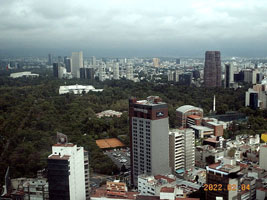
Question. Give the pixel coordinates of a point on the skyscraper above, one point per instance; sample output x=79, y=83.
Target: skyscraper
x=102, y=71
x=129, y=72
x=55, y=69
x=155, y=62
x=229, y=75
x=67, y=62
x=116, y=71
x=77, y=63
x=90, y=73
x=212, y=69
x=149, y=132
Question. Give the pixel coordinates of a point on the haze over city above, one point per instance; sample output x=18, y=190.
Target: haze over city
x=133, y=27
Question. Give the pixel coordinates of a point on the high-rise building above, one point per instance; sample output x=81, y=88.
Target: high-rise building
x=212, y=69
x=156, y=62
x=55, y=70
x=67, y=62
x=170, y=75
x=59, y=70
x=182, y=150
x=229, y=75
x=66, y=176
x=149, y=132
x=178, y=61
x=82, y=73
x=93, y=61
x=129, y=72
x=185, y=78
x=102, y=71
x=116, y=71
x=87, y=174
x=225, y=176
x=76, y=63
x=90, y=73
x=263, y=157
x=50, y=59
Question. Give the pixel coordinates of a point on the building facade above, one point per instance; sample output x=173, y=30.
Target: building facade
x=224, y=173
x=182, y=149
x=76, y=63
x=212, y=69
x=263, y=157
x=149, y=130
x=229, y=75
x=66, y=174
x=183, y=112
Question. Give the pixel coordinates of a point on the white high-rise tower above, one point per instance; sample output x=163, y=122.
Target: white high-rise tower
x=66, y=174
x=76, y=63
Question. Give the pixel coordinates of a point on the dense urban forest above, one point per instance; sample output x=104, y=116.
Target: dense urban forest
x=32, y=111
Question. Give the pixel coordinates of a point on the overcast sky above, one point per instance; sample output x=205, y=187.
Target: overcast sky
x=134, y=27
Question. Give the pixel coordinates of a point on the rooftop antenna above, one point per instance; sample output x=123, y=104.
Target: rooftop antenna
x=214, y=102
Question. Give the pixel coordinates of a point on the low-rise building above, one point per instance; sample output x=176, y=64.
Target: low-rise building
x=207, y=154
x=115, y=190
x=109, y=113
x=78, y=89
x=23, y=74
x=151, y=185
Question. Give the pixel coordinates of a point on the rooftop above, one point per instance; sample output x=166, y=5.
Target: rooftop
x=64, y=145
x=58, y=157
x=202, y=128
x=167, y=189
x=212, y=139
x=102, y=192
x=186, y=108
x=109, y=143
x=194, y=116
x=151, y=100
x=170, y=180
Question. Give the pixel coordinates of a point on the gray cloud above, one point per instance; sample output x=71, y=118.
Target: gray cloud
x=143, y=26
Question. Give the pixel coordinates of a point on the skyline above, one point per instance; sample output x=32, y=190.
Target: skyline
x=133, y=28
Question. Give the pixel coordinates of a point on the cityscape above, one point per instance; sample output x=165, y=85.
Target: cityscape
x=133, y=100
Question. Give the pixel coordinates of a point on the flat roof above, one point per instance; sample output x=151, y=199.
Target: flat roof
x=202, y=128
x=58, y=157
x=64, y=145
x=170, y=180
x=194, y=116
x=167, y=189
x=212, y=140
x=109, y=143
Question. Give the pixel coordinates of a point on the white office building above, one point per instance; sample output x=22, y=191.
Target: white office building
x=182, y=149
x=66, y=175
